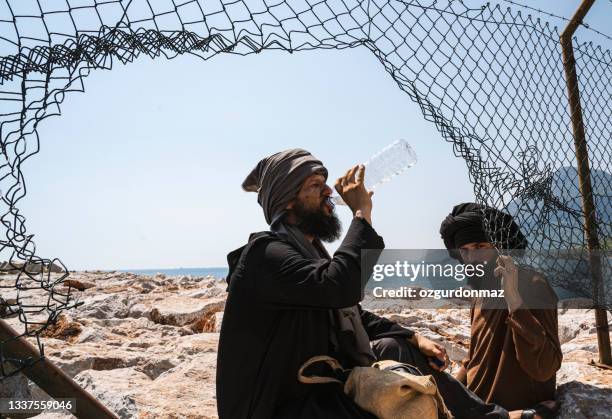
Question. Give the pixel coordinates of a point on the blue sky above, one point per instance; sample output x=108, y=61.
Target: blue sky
x=143, y=170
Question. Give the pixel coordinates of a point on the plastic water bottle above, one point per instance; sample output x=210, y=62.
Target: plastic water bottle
x=395, y=159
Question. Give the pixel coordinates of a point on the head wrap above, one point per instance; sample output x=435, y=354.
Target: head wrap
x=277, y=179
x=470, y=222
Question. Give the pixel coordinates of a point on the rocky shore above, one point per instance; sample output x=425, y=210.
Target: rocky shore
x=146, y=346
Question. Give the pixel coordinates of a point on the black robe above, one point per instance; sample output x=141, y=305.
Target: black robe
x=277, y=317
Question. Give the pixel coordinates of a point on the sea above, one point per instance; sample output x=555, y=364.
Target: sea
x=217, y=272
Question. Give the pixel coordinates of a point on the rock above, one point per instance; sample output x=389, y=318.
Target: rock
x=184, y=391
x=155, y=368
x=186, y=347
x=77, y=358
x=214, y=325
x=186, y=280
x=573, y=322
x=567, y=333
x=403, y=319
x=140, y=309
x=8, y=307
x=179, y=311
x=63, y=329
x=209, y=322
x=580, y=345
x=104, y=306
x=79, y=285
x=583, y=390
x=15, y=387
x=577, y=366
x=580, y=400
x=115, y=389
x=210, y=292
x=4, y=307
x=91, y=334
x=14, y=267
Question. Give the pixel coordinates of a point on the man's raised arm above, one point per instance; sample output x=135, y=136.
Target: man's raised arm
x=290, y=279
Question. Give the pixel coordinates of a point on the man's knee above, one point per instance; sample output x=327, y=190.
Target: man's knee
x=388, y=348
x=399, y=349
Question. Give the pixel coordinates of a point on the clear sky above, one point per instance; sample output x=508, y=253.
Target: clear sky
x=143, y=170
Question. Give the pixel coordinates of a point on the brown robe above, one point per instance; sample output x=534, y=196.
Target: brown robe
x=513, y=359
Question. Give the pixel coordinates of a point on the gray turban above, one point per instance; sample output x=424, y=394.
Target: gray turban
x=277, y=179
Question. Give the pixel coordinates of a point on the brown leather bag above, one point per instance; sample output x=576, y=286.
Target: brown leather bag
x=387, y=389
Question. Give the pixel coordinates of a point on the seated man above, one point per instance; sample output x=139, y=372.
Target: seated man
x=514, y=347
x=289, y=301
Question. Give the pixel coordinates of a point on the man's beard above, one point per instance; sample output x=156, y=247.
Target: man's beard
x=326, y=227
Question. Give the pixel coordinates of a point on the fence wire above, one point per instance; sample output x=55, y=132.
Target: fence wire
x=490, y=79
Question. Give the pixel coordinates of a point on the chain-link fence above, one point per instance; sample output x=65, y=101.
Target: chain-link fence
x=491, y=80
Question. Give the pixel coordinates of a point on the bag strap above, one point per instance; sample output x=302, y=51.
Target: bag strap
x=315, y=379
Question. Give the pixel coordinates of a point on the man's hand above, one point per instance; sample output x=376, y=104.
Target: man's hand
x=509, y=273
x=352, y=190
x=431, y=349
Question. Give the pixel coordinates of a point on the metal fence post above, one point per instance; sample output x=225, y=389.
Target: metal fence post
x=49, y=377
x=584, y=174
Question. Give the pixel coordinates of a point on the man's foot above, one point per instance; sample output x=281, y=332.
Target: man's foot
x=544, y=410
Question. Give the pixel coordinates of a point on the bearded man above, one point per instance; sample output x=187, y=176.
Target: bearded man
x=514, y=346
x=289, y=300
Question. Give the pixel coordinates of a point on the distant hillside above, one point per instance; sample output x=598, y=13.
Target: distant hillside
x=556, y=222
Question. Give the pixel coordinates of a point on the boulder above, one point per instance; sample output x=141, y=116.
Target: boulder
x=14, y=267
x=180, y=311
x=76, y=284
x=580, y=400
x=104, y=306
x=155, y=367
x=74, y=359
x=15, y=387
x=116, y=389
x=213, y=324
x=583, y=389
x=573, y=322
x=64, y=329
x=184, y=391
